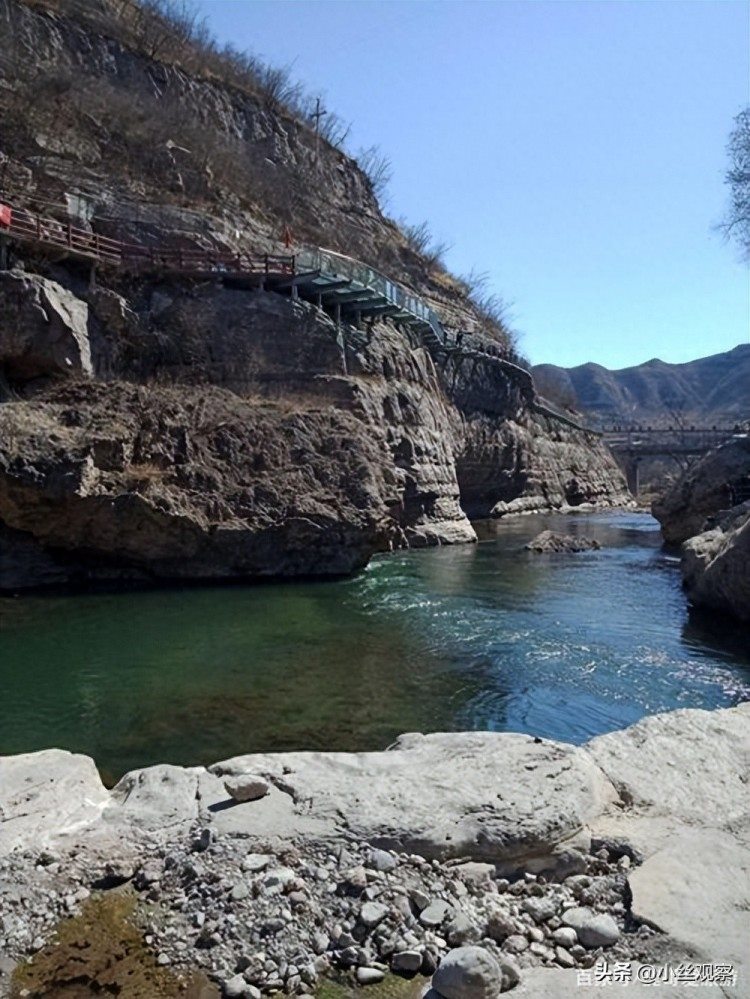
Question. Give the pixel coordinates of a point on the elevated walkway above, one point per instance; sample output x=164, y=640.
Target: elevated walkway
x=347, y=288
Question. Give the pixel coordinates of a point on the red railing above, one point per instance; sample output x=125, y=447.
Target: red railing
x=51, y=232
x=25, y=225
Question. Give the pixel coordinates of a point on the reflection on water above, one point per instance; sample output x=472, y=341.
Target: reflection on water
x=487, y=636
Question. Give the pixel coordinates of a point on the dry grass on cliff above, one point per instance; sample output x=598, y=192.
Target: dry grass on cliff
x=136, y=139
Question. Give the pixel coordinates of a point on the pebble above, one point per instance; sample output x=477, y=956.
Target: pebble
x=500, y=925
x=434, y=914
x=380, y=860
x=474, y=873
x=407, y=961
x=566, y=936
x=355, y=879
x=370, y=976
x=594, y=929
x=564, y=958
x=254, y=863
x=540, y=909
x=461, y=930
x=516, y=944
x=320, y=942
x=284, y=923
x=239, y=891
x=372, y=913
x=419, y=899
x=236, y=988
x=468, y=973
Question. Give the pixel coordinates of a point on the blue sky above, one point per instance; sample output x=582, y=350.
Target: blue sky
x=573, y=150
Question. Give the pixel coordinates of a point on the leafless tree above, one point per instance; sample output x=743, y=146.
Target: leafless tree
x=736, y=223
x=421, y=240
x=377, y=168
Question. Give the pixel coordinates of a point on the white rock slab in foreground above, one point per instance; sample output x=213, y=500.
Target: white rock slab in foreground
x=45, y=795
x=675, y=786
x=500, y=796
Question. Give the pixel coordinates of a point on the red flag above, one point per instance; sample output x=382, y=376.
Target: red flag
x=6, y=215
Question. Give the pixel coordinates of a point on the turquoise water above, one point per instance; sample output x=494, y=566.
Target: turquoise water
x=484, y=636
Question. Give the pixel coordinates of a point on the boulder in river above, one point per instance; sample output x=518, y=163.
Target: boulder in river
x=549, y=541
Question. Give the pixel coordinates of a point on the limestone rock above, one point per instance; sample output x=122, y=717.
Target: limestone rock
x=594, y=929
x=246, y=787
x=549, y=541
x=716, y=564
x=485, y=810
x=684, y=765
x=43, y=328
x=693, y=864
x=47, y=795
x=468, y=973
x=548, y=983
x=704, y=490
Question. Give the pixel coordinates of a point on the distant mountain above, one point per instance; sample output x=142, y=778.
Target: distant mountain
x=712, y=390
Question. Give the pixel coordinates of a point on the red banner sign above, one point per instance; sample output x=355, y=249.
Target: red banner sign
x=6, y=215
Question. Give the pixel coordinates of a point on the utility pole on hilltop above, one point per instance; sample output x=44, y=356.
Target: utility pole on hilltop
x=317, y=115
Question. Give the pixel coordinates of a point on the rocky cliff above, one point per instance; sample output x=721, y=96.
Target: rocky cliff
x=157, y=427
x=708, y=510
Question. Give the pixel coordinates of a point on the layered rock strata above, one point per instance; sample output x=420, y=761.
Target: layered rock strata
x=226, y=433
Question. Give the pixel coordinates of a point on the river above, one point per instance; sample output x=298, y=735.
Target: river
x=486, y=636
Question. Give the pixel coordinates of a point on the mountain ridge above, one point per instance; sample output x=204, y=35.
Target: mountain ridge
x=712, y=388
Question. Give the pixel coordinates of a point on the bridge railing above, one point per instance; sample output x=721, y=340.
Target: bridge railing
x=332, y=263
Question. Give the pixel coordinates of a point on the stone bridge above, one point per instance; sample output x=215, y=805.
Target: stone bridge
x=632, y=444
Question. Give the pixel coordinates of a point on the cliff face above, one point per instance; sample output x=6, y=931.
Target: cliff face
x=716, y=564
x=145, y=147
x=175, y=428
x=231, y=433
x=709, y=510
x=704, y=490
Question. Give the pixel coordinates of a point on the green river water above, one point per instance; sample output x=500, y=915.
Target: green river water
x=485, y=636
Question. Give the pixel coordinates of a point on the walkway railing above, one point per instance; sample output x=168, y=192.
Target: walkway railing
x=406, y=305
x=334, y=264
x=76, y=241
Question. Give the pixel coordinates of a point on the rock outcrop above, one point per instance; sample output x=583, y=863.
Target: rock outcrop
x=704, y=490
x=43, y=329
x=230, y=433
x=175, y=428
x=716, y=564
x=702, y=510
x=634, y=832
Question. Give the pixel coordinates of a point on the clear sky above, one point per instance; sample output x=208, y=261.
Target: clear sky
x=573, y=150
